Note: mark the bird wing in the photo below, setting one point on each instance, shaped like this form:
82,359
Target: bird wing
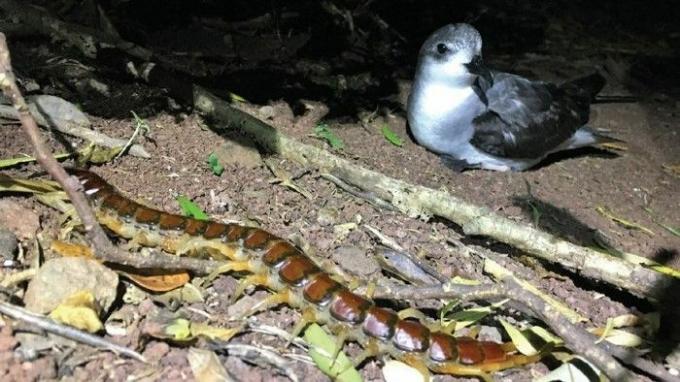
525,119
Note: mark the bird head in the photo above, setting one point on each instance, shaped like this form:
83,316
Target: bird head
453,54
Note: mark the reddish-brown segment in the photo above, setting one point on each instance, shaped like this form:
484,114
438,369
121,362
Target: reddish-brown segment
214,230
257,239
171,222
195,227
443,347
320,289
296,269
439,351
411,336
469,351
349,307
146,215
277,253
380,322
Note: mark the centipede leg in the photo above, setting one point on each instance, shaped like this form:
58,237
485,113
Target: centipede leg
340,339
283,297
251,280
233,266
308,316
371,350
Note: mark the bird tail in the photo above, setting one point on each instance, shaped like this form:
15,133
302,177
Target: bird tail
602,139
586,86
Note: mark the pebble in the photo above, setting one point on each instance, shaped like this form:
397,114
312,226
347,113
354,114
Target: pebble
60,278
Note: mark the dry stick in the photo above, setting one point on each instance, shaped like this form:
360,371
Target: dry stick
417,200
66,331
451,291
96,236
79,131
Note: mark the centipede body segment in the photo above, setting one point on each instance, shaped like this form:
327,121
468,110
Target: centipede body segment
299,282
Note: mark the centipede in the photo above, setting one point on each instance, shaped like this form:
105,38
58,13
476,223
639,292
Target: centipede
294,279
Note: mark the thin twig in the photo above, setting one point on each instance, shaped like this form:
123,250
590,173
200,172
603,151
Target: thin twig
368,196
81,132
65,331
446,291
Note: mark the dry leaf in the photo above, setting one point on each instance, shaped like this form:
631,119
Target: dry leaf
80,311
65,249
160,283
206,366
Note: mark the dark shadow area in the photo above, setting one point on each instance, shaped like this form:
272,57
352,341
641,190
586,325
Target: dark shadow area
557,221
271,50
567,154
665,255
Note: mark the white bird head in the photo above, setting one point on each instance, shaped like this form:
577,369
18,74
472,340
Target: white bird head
452,54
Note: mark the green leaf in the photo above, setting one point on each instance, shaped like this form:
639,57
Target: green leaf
391,136
214,164
322,131
520,339
179,329
190,208
468,317
26,159
322,347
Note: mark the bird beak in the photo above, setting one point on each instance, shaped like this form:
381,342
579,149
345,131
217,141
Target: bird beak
476,66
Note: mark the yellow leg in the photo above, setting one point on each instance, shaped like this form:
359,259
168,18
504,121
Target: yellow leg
284,297
233,266
340,339
250,280
308,316
371,350
370,289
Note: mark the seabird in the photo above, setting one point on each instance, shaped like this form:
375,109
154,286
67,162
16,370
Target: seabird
479,118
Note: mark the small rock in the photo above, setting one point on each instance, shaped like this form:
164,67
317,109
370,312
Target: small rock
21,221
241,153
155,351
8,244
490,333
673,359
355,260
327,216
60,278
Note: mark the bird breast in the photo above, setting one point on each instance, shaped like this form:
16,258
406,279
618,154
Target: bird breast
440,116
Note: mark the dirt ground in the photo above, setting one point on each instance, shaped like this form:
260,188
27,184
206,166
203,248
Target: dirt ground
566,191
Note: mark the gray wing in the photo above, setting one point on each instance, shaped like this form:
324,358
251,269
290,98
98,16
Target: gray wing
525,119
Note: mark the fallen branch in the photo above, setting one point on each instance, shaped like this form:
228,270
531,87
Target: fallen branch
84,133
415,200
65,331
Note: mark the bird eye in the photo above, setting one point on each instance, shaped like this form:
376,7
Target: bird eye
441,48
